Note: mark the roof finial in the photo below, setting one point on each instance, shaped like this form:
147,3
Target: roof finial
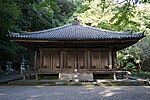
76,22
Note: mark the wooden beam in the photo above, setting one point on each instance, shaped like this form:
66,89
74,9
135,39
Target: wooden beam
76,49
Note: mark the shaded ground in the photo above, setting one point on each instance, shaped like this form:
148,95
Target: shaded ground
74,93
8,78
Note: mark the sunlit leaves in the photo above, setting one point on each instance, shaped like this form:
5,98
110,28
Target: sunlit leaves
123,17
93,12
85,6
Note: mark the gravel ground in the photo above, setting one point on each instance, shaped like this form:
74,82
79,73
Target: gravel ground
74,93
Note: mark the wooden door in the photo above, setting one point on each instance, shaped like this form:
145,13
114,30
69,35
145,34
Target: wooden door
104,59
55,59
75,60
51,59
70,60
82,59
95,60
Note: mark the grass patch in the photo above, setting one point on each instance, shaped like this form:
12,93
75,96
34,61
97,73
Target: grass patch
122,84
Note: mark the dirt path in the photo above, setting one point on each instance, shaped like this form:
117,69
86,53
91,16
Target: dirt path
74,93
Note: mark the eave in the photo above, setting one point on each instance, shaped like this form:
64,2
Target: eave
112,43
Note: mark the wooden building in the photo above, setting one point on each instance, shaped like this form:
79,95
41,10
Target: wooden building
75,46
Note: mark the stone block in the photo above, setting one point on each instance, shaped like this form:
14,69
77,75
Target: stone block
76,76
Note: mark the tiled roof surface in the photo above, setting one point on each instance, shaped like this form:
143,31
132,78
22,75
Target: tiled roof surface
76,32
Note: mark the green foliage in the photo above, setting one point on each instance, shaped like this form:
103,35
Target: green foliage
84,7
9,13
129,65
126,61
43,14
104,4
92,12
67,7
10,48
36,15
145,1
122,19
105,25
8,52
144,74
143,17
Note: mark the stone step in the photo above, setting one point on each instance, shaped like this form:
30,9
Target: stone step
77,77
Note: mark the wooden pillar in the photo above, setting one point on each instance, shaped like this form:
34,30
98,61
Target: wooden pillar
114,60
35,60
36,76
61,60
64,59
89,64
51,61
100,62
41,59
110,59
114,76
85,60
75,60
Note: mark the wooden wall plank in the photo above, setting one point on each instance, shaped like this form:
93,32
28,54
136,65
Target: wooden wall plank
71,59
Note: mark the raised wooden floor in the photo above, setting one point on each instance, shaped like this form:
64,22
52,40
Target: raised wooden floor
50,72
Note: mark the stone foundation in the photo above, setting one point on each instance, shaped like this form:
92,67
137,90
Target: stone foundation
76,76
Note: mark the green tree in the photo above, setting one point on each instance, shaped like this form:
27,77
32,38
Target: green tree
123,18
9,13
